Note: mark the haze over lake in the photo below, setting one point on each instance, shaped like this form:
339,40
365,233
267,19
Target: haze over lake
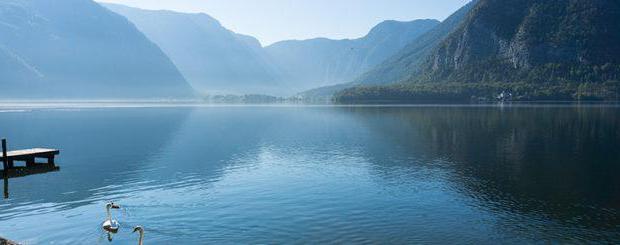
289,174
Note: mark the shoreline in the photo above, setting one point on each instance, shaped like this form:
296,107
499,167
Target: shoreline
20,105
4,241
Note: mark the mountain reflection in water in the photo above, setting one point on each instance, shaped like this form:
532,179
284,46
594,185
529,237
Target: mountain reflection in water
263,174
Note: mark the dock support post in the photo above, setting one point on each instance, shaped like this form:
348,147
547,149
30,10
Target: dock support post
30,162
5,171
5,158
50,161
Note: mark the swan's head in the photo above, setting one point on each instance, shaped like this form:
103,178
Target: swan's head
113,206
138,229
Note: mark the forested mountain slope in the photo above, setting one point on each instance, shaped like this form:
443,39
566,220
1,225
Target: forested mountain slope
533,49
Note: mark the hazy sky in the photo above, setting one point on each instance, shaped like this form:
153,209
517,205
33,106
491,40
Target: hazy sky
276,20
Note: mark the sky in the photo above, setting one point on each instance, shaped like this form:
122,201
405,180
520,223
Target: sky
276,20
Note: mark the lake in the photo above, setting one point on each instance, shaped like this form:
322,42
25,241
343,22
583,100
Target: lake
318,174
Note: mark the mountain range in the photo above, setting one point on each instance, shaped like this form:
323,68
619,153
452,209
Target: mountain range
212,58
78,49
487,50
527,49
410,59
217,60
322,62
403,63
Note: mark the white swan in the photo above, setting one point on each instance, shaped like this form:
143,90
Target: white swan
141,230
110,225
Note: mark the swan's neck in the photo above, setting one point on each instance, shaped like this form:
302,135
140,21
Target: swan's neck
141,237
107,209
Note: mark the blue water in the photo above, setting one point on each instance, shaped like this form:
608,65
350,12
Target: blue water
294,174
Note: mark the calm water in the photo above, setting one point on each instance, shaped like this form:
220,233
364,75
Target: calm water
238,175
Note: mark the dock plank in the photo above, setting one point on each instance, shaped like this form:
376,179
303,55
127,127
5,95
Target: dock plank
29,156
32,152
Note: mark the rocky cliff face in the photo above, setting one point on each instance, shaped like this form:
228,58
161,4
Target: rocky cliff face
534,49
531,40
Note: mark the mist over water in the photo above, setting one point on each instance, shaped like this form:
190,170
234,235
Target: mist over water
288,174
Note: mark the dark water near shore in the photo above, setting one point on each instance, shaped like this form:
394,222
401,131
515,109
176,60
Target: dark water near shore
239,175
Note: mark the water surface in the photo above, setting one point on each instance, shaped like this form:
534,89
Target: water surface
289,174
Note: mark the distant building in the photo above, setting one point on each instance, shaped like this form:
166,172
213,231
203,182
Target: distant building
504,96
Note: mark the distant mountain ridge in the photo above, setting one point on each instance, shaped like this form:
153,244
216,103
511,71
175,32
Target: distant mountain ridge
211,57
410,59
215,59
322,62
404,63
78,49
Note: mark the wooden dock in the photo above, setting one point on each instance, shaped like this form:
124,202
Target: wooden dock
32,167
28,156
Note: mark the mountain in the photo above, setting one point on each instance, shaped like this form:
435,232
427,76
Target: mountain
533,49
536,40
217,60
78,49
212,58
403,63
322,62
409,60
